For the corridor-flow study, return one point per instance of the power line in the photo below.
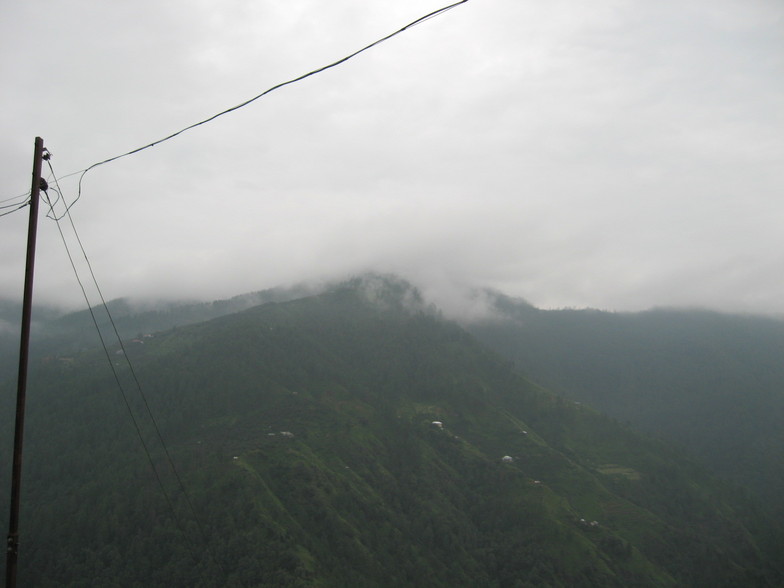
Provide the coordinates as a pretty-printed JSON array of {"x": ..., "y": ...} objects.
[
  {"x": 117, "y": 377},
  {"x": 134, "y": 377},
  {"x": 25, "y": 195},
  {"x": 340, "y": 61},
  {"x": 19, "y": 207}
]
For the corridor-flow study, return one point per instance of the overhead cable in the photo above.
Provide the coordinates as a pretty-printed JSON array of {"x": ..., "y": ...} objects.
[
  {"x": 18, "y": 207},
  {"x": 410, "y": 25},
  {"x": 135, "y": 378},
  {"x": 20, "y": 202}
]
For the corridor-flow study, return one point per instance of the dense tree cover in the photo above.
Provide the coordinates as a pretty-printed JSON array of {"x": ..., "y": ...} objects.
[
  {"x": 304, "y": 435},
  {"x": 708, "y": 382},
  {"x": 58, "y": 334}
]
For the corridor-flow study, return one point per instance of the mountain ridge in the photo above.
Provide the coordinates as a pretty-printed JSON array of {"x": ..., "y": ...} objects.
[
  {"x": 307, "y": 434},
  {"x": 711, "y": 383}
]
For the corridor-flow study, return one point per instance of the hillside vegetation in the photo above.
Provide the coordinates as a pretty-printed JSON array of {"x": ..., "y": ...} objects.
[
  {"x": 356, "y": 439},
  {"x": 713, "y": 384}
]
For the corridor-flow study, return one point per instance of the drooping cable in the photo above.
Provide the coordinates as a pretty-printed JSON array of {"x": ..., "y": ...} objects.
[
  {"x": 124, "y": 396},
  {"x": 25, "y": 195},
  {"x": 15, "y": 204},
  {"x": 135, "y": 380},
  {"x": 340, "y": 61},
  {"x": 18, "y": 207}
]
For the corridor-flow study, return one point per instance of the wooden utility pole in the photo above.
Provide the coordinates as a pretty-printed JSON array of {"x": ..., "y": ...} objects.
[{"x": 27, "y": 306}]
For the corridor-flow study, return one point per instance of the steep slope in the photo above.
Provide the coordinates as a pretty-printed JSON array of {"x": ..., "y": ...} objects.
[
  {"x": 712, "y": 383},
  {"x": 58, "y": 334},
  {"x": 304, "y": 434}
]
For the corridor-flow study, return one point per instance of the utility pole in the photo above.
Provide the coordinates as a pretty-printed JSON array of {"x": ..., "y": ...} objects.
[{"x": 27, "y": 306}]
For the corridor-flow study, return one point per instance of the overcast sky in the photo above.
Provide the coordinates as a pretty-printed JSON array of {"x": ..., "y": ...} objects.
[{"x": 609, "y": 154}]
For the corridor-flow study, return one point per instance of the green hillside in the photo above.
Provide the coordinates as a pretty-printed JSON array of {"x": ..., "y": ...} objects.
[
  {"x": 307, "y": 436},
  {"x": 711, "y": 383},
  {"x": 58, "y": 334}
]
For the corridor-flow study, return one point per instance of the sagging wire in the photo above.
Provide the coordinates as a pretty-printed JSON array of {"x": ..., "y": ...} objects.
[
  {"x": 15, "y": 203},
  {"x": 132, "y": 371},
  {"x": 25, "y": 195},
  {"x": 18, "y": 207},
  {"x": 340, "y": 61}
]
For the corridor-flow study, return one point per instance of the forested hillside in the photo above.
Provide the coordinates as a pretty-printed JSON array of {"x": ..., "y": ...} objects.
[
  {"x": 356, "y": 439},
  {"x": 711, "y": 383},
  {"x": 58, "y": 334}
]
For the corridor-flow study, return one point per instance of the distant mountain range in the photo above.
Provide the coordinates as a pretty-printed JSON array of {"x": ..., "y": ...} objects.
[
  {"x": 355, "y": 437},
  {"x": 713, "y": 384}
]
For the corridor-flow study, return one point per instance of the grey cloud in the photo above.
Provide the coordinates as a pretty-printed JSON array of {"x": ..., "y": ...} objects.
[{"x": 620, "y": 155}]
